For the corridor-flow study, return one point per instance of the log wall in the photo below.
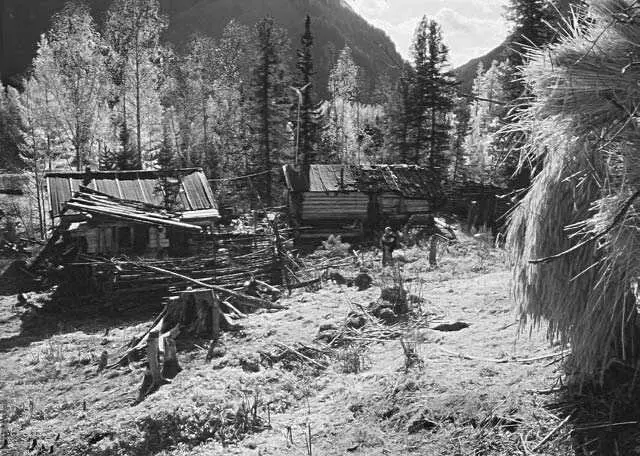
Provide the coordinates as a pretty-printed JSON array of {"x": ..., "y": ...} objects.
[{"x": 320, "y": 206}]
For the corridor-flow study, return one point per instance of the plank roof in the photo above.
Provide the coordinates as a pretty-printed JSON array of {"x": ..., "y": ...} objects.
[
  {"x": 143, "y": 186},
  {"x": 323, "y": 178}
]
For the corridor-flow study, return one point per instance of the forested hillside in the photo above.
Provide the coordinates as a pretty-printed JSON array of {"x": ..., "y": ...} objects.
[
  {"x": 335, "y": 24},
  {"x": 242, "y": 88}
]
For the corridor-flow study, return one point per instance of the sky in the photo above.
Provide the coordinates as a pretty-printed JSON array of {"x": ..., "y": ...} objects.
[{"x": 470, "y": 28}]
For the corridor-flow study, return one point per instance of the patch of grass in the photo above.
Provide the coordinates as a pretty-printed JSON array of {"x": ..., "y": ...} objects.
[
  {"x": 53, "y": 351},
  {"x": 411, "y": 353},
  {"x": 353, "y": 359}
]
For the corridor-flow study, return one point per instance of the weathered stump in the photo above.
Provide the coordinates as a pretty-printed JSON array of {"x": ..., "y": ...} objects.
[
  {"x": 170, "y": 367},
  {"x": 153, "y": 357},
  {"x": 195, "y": 313}
]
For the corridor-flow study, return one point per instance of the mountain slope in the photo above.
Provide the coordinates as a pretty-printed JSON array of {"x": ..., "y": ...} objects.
[
  {"x": 334, "y": 24},
  {"x": 466, "y": 73}
]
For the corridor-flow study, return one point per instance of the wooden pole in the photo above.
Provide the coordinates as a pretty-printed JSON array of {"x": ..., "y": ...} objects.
[
  {"x": 153, "y": 357},
  {"x": 215, "y": 318},
  {"x": 433, "y": 245}
]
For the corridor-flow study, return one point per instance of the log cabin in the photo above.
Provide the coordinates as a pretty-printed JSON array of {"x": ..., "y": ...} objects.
[
  {"x": 142, "y": 213},
  {"x": 357, "y": 200},
  {"x": 327, "y": 202}
]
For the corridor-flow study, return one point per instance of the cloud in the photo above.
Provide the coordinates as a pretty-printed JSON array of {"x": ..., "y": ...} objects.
[{"x": 470, "y": 27}]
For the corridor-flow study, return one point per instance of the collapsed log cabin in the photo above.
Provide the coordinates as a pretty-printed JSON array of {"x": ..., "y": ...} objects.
[
  {"x": 111, "y": 251},
  {"x": 354, "y": 201},
  {"x": 93, "y": 220}
]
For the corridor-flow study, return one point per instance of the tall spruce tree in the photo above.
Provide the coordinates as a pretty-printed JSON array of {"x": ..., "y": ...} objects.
[
  {"x": 432, "y": 99},
  {"x": 269, "y": 99},
  {"x": 304, "y": 108},
  {"x": 399, "y": 120},
  {"x": 533, "y": 23}
]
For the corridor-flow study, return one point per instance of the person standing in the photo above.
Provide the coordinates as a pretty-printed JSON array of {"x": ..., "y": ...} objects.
[{"x": 388, "y": 243}]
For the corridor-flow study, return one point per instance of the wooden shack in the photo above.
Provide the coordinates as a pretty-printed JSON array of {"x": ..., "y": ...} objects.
[
  {"x": 127, "y": 212},
  {"x": 356, "y": 200},
  {"x": 327, "y": 202}
]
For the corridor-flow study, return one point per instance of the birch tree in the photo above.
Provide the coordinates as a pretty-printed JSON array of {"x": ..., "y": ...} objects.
[
  {"x": 132, "y": 30},
  {"x": 70, "y": 64}
]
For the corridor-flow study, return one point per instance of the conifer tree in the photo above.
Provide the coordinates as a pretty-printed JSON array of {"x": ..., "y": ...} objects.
[
  {"x": 305, "y": 117},
  {"x": 432, "y": 99},
  {"x": 123, "y": 158},
  {"x": 532, "y": 21},
  {"x": 269, "y": 99},
  {"x": 399, "y": 121}
]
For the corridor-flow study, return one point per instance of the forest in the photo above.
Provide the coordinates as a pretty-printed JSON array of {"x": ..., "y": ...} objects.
[{"x": 113, "y": 94}]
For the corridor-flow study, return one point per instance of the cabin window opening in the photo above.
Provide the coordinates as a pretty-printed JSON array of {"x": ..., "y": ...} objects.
[
  {"x": 124, "y": 238},
  {"x": 140, "y": 238}
]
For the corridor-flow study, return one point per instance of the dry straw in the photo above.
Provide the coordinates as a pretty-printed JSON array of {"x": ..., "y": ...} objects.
[{"x": 582, "y": 124}]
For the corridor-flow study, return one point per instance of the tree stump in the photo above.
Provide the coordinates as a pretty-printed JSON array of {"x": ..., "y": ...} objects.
[
  {"x": 196, "y": 310},
  {"x": 170, "y": 367},
  {"x": 153, "y": 358},
  {"x": 196, "y": 313}
]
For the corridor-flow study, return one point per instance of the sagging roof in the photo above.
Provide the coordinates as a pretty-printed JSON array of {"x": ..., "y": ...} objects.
[
  {"x": 322, "y": 178},
  {"x": 411, "y": 181},
  {"x": 195, "y": 197},
  {"x": 102, "y": 205},
  {"x": 13, "y": 184}
]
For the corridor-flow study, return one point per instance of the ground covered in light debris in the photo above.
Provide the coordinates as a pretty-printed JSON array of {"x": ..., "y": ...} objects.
[{"x": 481, "y": 389}]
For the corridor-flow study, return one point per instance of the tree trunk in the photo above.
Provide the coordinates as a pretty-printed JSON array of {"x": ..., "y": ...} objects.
[
  {"x": 153, "y": 358},
  {"x": 266, "y": 126},
  {"x": 138, "y": 119}
]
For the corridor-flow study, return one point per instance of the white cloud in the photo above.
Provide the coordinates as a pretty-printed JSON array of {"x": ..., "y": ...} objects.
[{"x": 470, "y": 27}]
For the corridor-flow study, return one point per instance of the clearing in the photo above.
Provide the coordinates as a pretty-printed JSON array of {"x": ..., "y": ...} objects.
[{"x": 479, "y": 389}]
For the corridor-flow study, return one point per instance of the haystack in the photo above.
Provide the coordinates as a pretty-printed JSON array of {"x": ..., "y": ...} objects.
[{"x": 575, "y": 237}]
